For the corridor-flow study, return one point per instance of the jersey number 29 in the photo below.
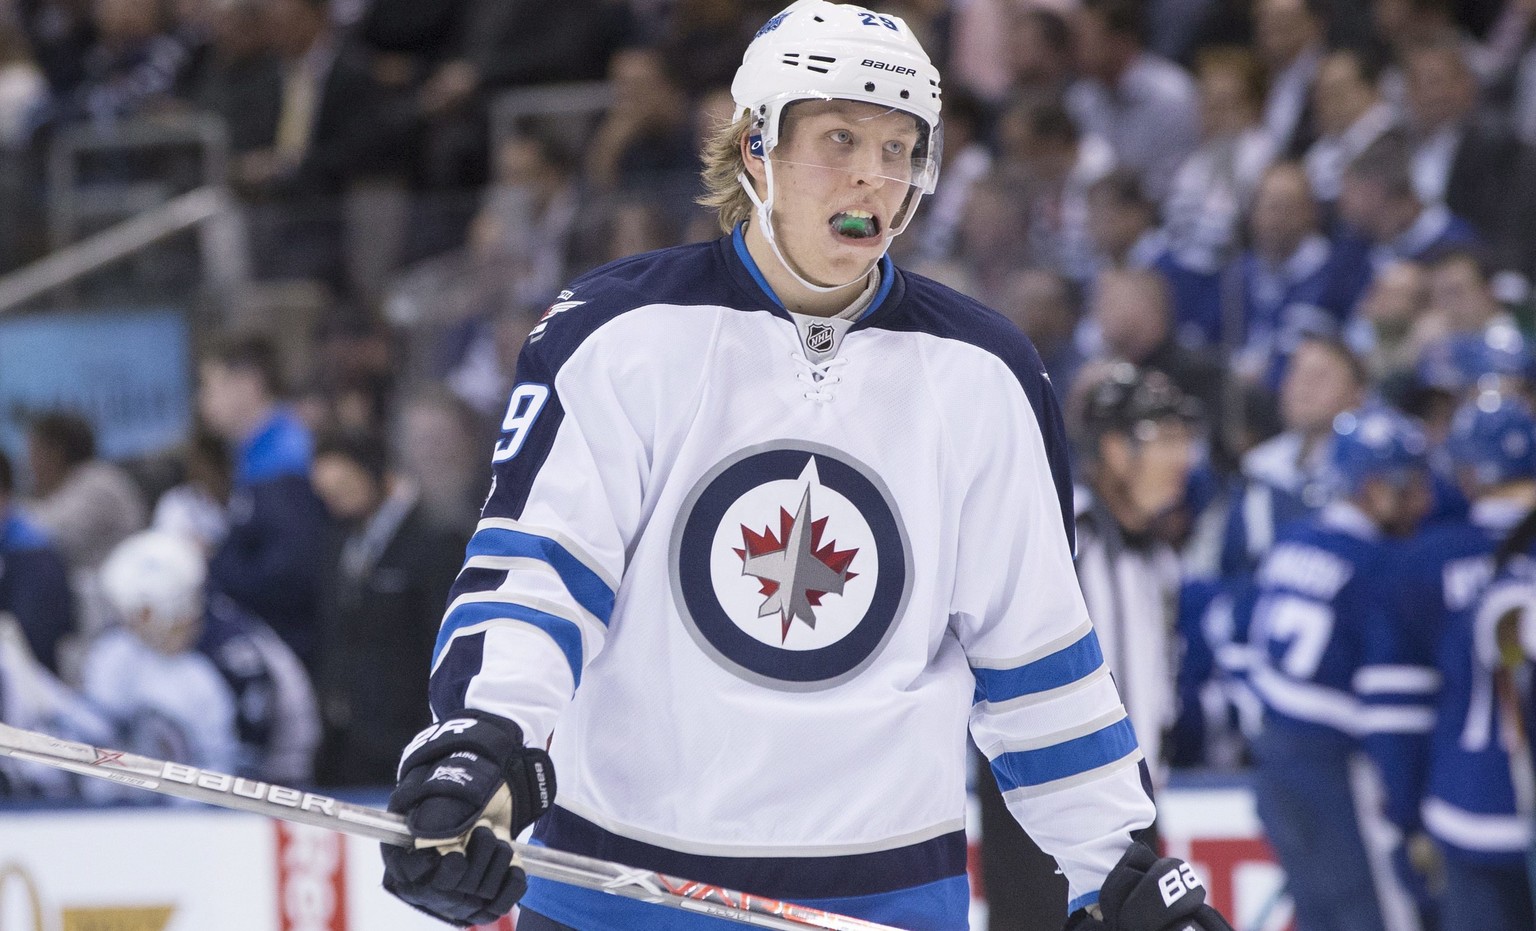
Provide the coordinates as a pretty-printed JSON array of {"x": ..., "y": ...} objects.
[{"x": 527, "y": 401}]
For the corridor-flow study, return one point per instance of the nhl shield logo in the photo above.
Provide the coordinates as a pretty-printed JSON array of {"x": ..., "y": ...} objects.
[
  {"x": 819, "y": 336},
  {"x": 790, "y": 565}
]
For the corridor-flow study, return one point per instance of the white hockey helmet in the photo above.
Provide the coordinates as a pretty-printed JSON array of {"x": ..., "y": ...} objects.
[
  {"x": 161, "y": 571},
  {"x": 816, "y": 50}
]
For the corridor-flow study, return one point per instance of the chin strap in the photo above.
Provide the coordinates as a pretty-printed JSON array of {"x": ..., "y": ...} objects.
[{"x": 765, "y": 215}]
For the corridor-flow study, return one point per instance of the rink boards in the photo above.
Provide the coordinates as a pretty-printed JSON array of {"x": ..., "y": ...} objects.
[{"x": 140, "y": 869}]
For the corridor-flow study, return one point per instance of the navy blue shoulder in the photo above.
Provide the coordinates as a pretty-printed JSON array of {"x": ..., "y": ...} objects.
[
  {"x": 697, "y": 273},
  {"x": 922, "y": 305},
  {"x": 939, "y": 310},
  {"x": 223, "y": 622}
]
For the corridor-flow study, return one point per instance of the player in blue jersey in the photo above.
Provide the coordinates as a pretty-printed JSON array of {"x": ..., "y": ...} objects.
[
  {"x": 1325, "y": 672},
  {"x": 773, "y": 523},
  {"x": 1472, "y": 805}
]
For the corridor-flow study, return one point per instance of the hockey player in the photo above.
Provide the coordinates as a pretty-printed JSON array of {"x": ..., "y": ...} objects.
[
  {"x": 1470, "y": 802},
  {"x": 1324, "y": 669},
  {"x": 771, "y": 522},
  {"x": 211, "y": 683}
]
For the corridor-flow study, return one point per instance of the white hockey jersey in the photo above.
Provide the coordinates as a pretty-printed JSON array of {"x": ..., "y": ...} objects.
[{"x": 756, "y": 581}]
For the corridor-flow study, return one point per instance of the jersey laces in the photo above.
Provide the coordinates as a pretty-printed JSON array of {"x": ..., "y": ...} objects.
[{"x": 819, "y": 378}]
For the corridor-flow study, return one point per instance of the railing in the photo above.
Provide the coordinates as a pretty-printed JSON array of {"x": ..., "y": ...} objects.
[
  {"x": 209, "y": 209},
  {"x": 80, "y": 197},
  {"x": 552, "y": 107}
]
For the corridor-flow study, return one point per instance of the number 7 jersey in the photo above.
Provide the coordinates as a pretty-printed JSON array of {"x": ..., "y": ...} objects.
[{"x": 758, "y": 598}]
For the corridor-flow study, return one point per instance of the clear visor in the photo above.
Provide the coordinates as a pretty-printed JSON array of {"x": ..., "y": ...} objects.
[{"x": 864, "y": 141}]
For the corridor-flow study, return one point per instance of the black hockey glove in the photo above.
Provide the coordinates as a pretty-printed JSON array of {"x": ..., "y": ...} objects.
[
  {"x": 1145, "y": 893},
  {"x": 467, "y": 787}
]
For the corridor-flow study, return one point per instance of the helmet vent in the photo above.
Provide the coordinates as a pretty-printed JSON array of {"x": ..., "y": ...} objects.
[
  {"x": 824, "y": 58},
  {"x": 818, "y": 69}
]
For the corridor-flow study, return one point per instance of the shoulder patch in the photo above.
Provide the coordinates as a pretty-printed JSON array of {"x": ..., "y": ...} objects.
[{"x": 560, "y": 306}]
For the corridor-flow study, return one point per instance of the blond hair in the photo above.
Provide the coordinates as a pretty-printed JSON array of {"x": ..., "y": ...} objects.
[{"x": 722, "y": 164}]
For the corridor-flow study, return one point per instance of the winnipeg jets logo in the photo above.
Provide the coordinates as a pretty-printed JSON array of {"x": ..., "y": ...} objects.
[
  {"x": 457, "y": 775},
  {"x": 790, "y": 565},
  {"x": 559, "y": 307},
  {"x": 796, "y": 571}
]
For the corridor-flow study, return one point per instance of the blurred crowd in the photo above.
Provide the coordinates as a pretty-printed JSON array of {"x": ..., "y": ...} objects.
[{"x": 1285, "y": 210}]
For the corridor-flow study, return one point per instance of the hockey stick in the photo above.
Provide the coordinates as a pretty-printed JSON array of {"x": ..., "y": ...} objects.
[{"x": 277, "y": 801}]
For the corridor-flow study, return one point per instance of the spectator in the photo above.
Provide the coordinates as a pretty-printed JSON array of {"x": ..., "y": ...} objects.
[
  {"x": 504, "y": 45},
  {"x": 1122, "y": 222},
  {"x": 23, "y": 94},
  {"x": 1146, "y": 106},
  {"x": 1288, "y": 37},
  {"x": 703, "y": 40},
  {"x": 1294, "y": 281},
  {"x": 1350, "y": 116},
  {"x": 645, "y": 138},
  {"x": 197, "y": 508},
  {"x": 1461, "y": 293},
  {"x": 1039, "y": 142},
  {"x": 969, "y": 158},
  {"x": 437, "y": 443},
  {"x": 1215, "y": 185},
  {"x": 269, "y": 561},
  {"x": 387, "y": 578},
  {"x": 84, "y": 504},
  {"x": 61, "y": 33},
  {"x": 1285, "y": 477},
  {"x": 193, "y": 678},
  {"x": 994, "y": 239},
  {"x": 1039, "y": 50},
  {"x": 34, "y": 582},
  {"x": 524, "y": 233},
  {"x": 241, "y": 80},
  {"x": 22, "y": 89},
  {"x": 1133, "y": 307},
  {"x": 1379, "y": 201},
  {"x": 1040, "y": 303},
  {"x": 134, "y": 66},
  {"x": 1390, "y": 332},
  {"x": 337, "y": 121},
  {"x": 1403, "y": 24},
  {"x": 1464, "y": 159}
]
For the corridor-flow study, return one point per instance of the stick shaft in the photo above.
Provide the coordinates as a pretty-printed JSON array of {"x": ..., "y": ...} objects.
[{"x": 275, "y": 801}]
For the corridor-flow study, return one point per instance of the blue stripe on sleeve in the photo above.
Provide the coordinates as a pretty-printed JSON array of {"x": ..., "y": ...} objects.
[
  {"x": 1054, "y": 670},
  {"x": 1083, "y": 901},
  {"x": 1068, "y": 758},
  {"x": 589, "y": 590},
  {"x": 565, "y": 633}
]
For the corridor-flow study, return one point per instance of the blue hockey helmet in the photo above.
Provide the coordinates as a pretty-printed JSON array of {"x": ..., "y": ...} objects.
[
  {"x": 1375, "y": 442},
  {"x": 1461, "y": 361},
  {"x": 1494, "y": 436}
]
